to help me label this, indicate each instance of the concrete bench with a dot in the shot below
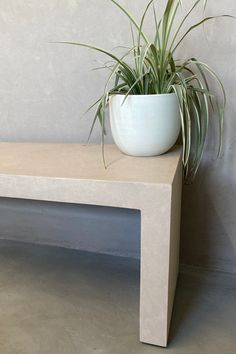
(74, 173)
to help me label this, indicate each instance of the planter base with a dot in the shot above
(145, 125)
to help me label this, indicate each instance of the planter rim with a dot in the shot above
(149, 95)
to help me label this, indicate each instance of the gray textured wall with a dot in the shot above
(45, 88)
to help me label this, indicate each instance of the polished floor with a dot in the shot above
(58, 301)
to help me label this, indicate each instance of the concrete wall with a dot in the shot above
(46, 87)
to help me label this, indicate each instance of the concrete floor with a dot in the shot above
(57, 301)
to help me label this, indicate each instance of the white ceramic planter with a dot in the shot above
(145, 125)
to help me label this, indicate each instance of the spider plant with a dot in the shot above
(150, 66)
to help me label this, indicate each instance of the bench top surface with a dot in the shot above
(76, 161)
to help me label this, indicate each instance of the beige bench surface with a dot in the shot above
(85, 162)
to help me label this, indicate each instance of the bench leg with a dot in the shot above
(160, 226)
